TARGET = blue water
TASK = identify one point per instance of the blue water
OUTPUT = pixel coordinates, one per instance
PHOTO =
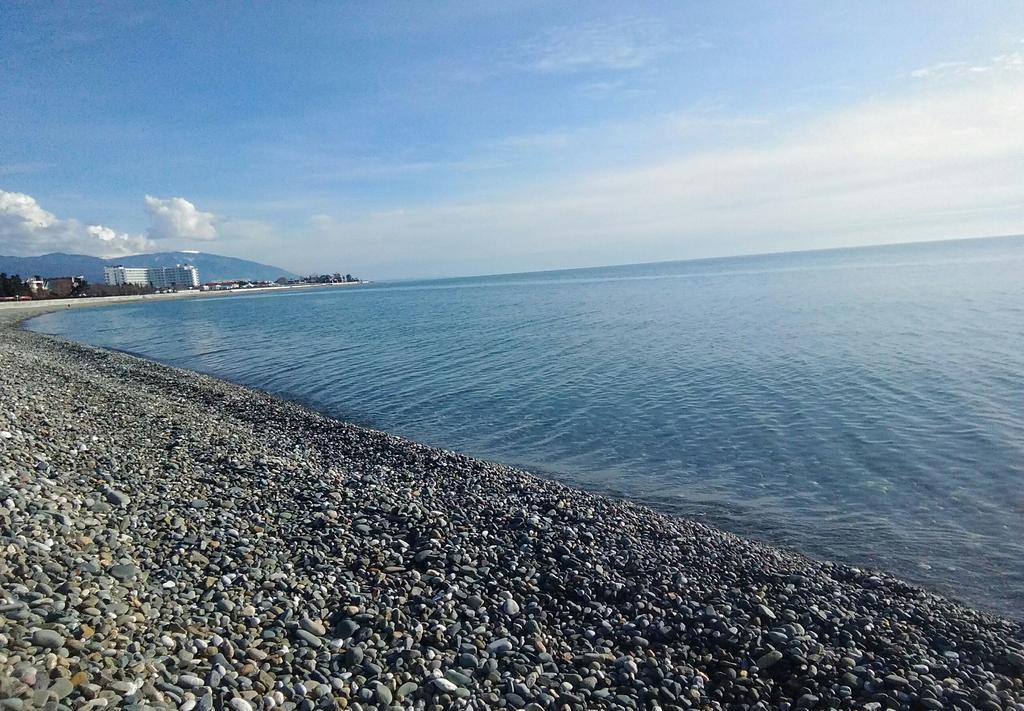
(864, 405)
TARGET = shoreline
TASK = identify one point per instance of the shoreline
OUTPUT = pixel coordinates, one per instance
(46, 305)
(235, 549)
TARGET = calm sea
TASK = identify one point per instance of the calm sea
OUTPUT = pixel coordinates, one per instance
(865, 405)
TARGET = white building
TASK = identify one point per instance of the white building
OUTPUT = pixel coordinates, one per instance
(180, 276)
(119, 276)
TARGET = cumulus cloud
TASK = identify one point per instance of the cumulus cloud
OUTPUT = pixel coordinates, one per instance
(177, 218)
(28, 229)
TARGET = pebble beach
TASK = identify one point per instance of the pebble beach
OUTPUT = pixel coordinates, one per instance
(172, 541)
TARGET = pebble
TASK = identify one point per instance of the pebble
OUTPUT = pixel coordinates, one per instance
(406, 689)
(444, 685)
(347, 628)
(382, 694)
(354, 656)
(309, 639)
(123, 572)
(118, 498)
(457, 678)
(313, 626)
(499, 646)
(47, 639)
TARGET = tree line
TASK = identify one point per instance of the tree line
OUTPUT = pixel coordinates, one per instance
(13, 286)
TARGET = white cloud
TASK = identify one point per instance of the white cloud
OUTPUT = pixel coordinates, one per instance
(624, 45)
(938, 69)
(602, 89)
(659, 134)
(1010, 62)
(538, 141)
(22, 168)
(27, 229)
(177, 218)
(930, 165)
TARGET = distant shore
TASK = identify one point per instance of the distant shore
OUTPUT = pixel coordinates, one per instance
(84, 302)
(169, 540)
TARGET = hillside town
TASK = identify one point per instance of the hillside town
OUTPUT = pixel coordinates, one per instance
(122, 280)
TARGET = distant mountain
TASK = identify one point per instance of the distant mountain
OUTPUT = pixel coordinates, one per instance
(53, 265)
(212, 267)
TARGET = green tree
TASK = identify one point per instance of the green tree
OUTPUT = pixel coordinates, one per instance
(13, 285)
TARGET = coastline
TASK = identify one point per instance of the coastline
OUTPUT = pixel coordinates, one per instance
(42, 306)
(201, 545)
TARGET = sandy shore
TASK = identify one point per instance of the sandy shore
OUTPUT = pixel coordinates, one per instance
(173, 541)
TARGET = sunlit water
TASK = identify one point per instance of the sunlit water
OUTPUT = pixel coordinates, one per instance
(862, 405)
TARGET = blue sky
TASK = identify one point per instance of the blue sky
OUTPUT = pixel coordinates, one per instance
(401, 139)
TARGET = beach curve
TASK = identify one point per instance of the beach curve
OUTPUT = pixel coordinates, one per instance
(174, 541)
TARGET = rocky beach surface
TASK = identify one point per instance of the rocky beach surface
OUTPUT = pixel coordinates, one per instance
(173, 541)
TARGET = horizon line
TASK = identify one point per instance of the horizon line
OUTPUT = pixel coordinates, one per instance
(743, 255)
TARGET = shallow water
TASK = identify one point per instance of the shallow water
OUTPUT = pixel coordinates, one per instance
(863, 405)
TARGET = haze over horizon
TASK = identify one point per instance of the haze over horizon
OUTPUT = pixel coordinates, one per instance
(407, 141)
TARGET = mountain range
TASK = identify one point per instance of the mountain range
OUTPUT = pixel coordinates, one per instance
(212, 267)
